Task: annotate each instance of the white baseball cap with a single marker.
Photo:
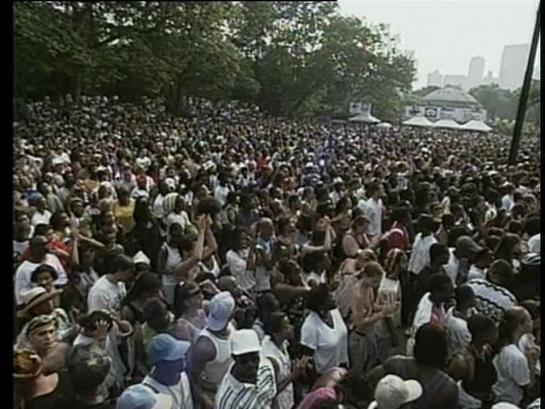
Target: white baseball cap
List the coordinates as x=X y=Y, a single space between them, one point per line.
x=220 y=310
x=245 y=341
x=140 y=257
x=392 y=392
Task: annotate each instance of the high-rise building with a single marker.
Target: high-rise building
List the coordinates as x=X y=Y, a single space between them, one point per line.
x=435 y=79
x=456 y=81
x=513 y=65
x=490 y=79
x=476 y=71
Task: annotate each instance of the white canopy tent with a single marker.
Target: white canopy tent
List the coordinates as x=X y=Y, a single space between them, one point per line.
x=366 y=118
x=385 y=125
x=419 y=121
x=448 y=124
x=479 y=126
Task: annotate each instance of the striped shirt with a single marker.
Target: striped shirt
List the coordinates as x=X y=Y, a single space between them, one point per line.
x=492 y=300
x=233 y=394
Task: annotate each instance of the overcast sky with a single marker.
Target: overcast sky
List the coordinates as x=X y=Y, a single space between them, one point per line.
x=446 y=34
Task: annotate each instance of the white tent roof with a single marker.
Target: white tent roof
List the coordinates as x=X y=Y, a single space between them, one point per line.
x=418 y=121
x=448 y=123
x=477 y=126
x=367 y=118
x=384 y=125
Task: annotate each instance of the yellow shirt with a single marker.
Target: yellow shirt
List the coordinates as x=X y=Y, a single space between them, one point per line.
x=124 y=215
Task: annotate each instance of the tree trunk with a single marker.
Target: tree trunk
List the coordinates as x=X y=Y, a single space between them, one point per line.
x=77 y=87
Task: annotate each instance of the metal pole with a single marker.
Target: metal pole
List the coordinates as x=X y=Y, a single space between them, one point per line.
x=524 y=92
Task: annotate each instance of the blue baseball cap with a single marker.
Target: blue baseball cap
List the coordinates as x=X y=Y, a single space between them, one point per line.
x=164 y=347
x=141 y=397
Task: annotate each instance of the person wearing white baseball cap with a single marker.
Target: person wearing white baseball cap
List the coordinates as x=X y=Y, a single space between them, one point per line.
x=250 y=381
x=211 y=354
x=392 y=392
x=139 y=397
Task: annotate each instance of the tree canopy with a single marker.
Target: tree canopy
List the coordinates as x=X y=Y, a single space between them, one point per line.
x=290 y=58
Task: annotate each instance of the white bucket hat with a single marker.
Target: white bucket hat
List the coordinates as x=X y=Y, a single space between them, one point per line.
x=392 y=392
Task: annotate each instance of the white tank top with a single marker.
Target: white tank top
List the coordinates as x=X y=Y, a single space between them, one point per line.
x=173 y=259
x=215 y=370
x=215 y=267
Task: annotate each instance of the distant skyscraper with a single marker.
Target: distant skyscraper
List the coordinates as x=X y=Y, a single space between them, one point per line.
x=513 y=65
x=456 y=81
x=476 y=71
x=435 y=79
x=490 y=79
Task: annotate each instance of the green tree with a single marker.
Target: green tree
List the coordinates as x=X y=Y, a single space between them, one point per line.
x=291 y=58
x=498 y=102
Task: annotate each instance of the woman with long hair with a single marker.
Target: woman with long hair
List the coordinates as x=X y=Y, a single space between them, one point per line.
x=365 y=312
x=473 y=366
x=170 y=256
x=146 y=233
x=146 y=287
x=389 y=293
x=509 y=249
x=516 y=369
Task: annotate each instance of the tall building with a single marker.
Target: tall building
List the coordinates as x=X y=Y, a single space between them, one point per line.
x=513 y=65
x=456 y=81
x=476 y=71
x=490 y=79
x=435 y=79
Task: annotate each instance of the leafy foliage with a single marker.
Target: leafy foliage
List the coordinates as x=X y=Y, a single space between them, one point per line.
x=503 y=104
x=291 y=58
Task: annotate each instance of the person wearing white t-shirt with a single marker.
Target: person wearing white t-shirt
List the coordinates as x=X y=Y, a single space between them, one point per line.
x=264 y=260
x=109 y=290
x=507 y=201
x=420 y=254
x=373 y=208
x=516 y=369
x=324 y=333
x=241 y=260
x=222 y=190
x=38 y=255
x=41 y=215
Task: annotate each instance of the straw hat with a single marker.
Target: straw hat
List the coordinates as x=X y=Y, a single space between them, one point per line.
x=34 y=297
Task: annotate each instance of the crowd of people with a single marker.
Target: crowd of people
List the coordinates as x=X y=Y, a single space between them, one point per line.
x=229 y=260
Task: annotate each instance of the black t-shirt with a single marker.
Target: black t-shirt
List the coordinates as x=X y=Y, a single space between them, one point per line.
x=422 y=286
x=62 y=397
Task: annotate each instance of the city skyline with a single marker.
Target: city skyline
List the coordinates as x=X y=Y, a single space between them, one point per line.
x=445 y=34
x=509 y=76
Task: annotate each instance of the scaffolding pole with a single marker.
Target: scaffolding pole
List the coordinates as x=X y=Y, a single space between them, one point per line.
x=515 y=142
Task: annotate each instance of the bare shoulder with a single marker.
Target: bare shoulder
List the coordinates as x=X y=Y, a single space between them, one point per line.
x=204 y=349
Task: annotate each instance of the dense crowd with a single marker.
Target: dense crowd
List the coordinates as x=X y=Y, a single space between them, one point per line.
x=230 y=260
